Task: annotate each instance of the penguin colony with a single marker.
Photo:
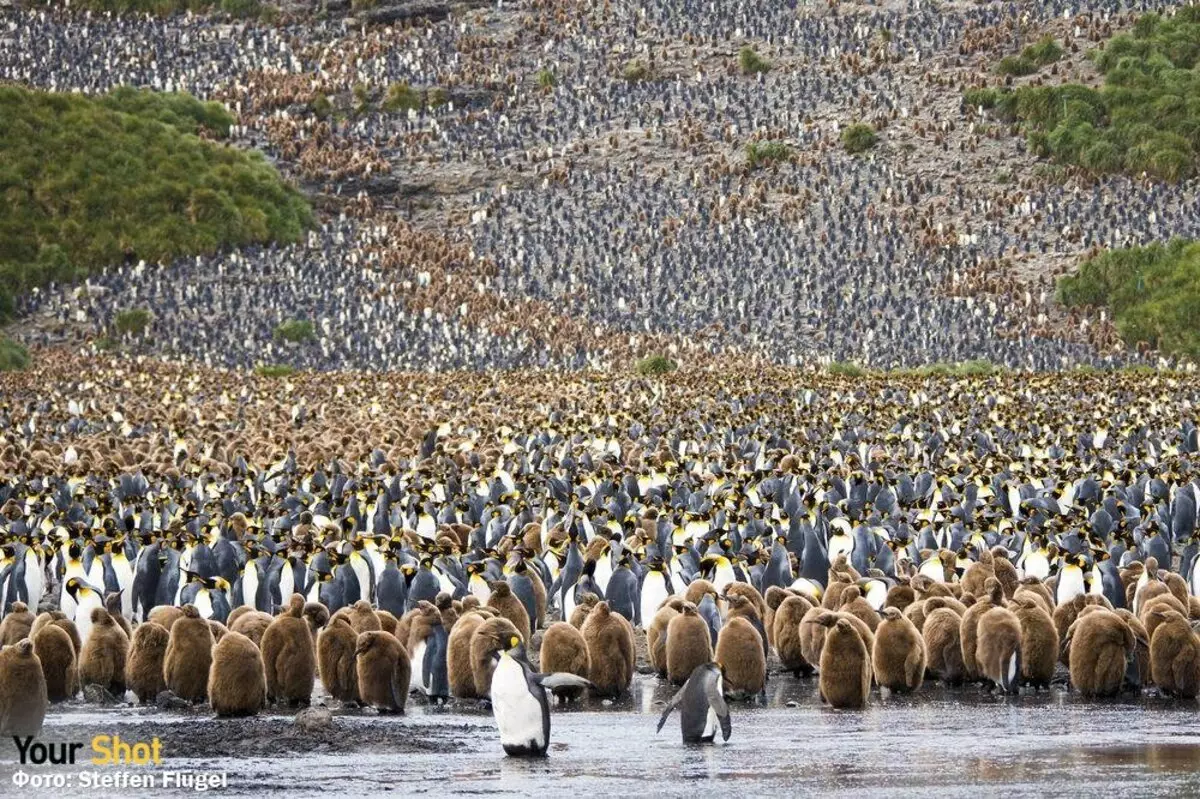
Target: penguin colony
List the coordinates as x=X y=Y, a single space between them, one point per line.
x=1017 y=533
x=583 y=217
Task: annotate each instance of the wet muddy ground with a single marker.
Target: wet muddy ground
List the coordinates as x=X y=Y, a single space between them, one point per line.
x=937 y=743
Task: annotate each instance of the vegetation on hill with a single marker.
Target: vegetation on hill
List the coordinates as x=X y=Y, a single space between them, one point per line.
x=1046 y=51
x=656 y=365
x=858 y=138
x=751 y=62
x=13 y=356
x=89 y=181
x=766 y=153
x=234 y=8
x=1153 y=293
x=296 y=331
x=1144 y=119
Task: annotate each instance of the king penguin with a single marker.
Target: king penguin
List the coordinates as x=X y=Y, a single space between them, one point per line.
x=702 y=706
x=519 y=701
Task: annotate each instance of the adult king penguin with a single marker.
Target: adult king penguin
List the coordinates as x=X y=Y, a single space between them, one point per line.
x=519 y=701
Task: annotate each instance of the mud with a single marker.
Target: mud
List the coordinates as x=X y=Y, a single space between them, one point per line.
x=937 y=742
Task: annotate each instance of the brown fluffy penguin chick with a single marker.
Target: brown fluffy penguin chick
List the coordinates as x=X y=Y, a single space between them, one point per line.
x=237 y=685
x=17 y=625
x=1175 y=655
x=316 y=616
x=388 y=622
x=748 y=592
x=916 y=614
x=235 y=614
x=582 y=609
x=165 y=615
x=943 y=648
x=696 y=591
x=1004 y=571
x=1038 y=591
x=23 y=699
x=506 y=603
x=252 y=624
x=1100 y=643
x=1141 y=639
x=1039 y=641
x=188 y=656
x=925 y=587
x=854 y=604
x=383 y=672
x=789 y=637
x=1161 y=602
x=147 y=653
x=969 y=627
x=656 y=639
x=812 y=635
x=112 y=603
x=458 y=656
x=565 y=650
x=740 y=653
x=1194 y=608
x=289 y=659
x=975 y=578
x=845 y=680
x=218 y=630
x=773 y=599
x=336 y=645
x=363 y=618
x=1178 y=588
x=998 y=651
x=60 y=667
x=1064 y=616
x=105 y=654
x=832 y=599
x=899 y=654
x=611 y=659
x=490 y=637
x=900 y=596
x=689 y=644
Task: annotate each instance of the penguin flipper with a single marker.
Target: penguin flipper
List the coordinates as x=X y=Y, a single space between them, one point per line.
x=717 y=702
x=561 y=679
x=675 y=700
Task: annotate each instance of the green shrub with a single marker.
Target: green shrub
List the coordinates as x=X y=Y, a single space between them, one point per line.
x=132 y=321
x=751 y=62
x=105 y=343
x=13 y=356
x=859 y=138
x=402 y=97
x=766 y=153
x=635 y=71
x=1144 y=119
x=977 y=368
x=656 y=365
x=436 y=97
x=275 y=370
x=320 y=106
x=296 y=331
x=88 y=181
x=546 y=79
x=845 y=369
x=1153 y=293
x=241 y=8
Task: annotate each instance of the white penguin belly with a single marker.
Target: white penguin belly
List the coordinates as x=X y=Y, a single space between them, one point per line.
x=518 y=713
x=250 y=587
x=416 y=678
x=654 y=592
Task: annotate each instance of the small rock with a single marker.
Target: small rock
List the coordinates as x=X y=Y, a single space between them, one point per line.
x=96 y=695
x=169 y=701
x=314 y=719
x=793 y=704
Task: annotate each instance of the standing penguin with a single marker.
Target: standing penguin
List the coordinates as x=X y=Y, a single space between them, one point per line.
x=105 y=654
x=86 y=598
x=427 y=649
x=144 y=669
x=383 y=672
x=23 y=700
x=688 y=644
x=611 y=656
x=54 y=649
x=519 y=701
x=336 y=645
x=656 y=588
x=998 y=651
x=237 y=685
x=743 y=662
x=288 y=656
x=508 y=605
x=702 y=707
x=188 y=656
x=565 y=650
x=899 y=656
x=845 y=681
x=458 y=655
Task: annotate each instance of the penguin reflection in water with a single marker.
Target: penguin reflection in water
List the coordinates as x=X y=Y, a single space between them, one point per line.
x=519 y=701
x=702 y=706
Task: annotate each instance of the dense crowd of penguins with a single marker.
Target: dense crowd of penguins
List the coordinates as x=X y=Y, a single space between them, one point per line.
x=201 y=535
x=598 y=216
